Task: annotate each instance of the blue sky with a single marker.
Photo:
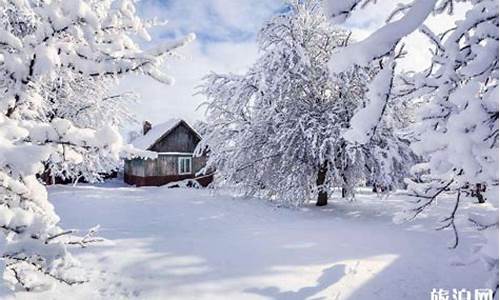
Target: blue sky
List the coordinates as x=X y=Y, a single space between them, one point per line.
x=226 y=31
x=212 y=20
x=225 y=42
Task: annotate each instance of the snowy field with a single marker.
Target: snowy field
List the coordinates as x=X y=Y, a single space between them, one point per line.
x=194 y=244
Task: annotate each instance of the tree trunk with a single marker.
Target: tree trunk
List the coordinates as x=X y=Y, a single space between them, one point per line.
x=480 y=188
x=320 y=181
x=344 y=185
x=46 y=176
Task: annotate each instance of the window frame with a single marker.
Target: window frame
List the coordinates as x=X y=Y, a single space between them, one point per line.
x=180 y=165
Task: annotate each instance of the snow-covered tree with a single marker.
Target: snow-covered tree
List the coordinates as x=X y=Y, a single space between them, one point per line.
x=457 y=132
x=277 y=130
x=271 y=129
x=63 y=98
x=40 y=42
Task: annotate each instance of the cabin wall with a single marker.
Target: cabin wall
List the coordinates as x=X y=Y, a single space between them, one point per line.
x=180 y=139
x=162 y=170
x=199 y=163
x=134 y=167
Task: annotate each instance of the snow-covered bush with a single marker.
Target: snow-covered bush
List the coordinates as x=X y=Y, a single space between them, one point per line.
x=277 y=130
x=43 y=43
x=457 y=124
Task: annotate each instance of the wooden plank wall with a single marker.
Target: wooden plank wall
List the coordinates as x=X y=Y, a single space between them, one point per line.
x=163 y=165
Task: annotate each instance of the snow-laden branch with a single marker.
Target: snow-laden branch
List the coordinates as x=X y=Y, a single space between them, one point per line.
x=384 y=40
x=365 y=122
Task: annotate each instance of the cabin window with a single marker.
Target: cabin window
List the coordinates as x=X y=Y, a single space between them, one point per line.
x=184 y=165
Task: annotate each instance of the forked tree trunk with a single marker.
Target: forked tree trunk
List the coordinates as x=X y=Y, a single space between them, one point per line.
x=320 y=181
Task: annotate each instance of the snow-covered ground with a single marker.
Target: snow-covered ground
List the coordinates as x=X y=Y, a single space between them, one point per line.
x=195 y=244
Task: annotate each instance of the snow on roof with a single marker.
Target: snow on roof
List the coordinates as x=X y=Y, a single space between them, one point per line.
x=156 y=132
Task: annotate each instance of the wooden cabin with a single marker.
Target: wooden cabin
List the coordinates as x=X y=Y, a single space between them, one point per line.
x=174 y=141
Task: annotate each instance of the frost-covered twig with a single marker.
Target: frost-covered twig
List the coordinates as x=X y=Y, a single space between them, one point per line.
x=47 y=240
x=450 y=222
x=37 y=266
x=430 y=199
x=481 y=226
x=88 y=238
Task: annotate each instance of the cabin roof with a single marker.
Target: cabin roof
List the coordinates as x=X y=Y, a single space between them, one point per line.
x=158 y=132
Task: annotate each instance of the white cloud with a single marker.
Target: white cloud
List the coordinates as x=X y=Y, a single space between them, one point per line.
x=212 y=19
x=226 y=43
x=159 y=102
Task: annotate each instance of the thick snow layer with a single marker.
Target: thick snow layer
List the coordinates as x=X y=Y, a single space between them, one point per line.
x=145 y=141
x=193 y=244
